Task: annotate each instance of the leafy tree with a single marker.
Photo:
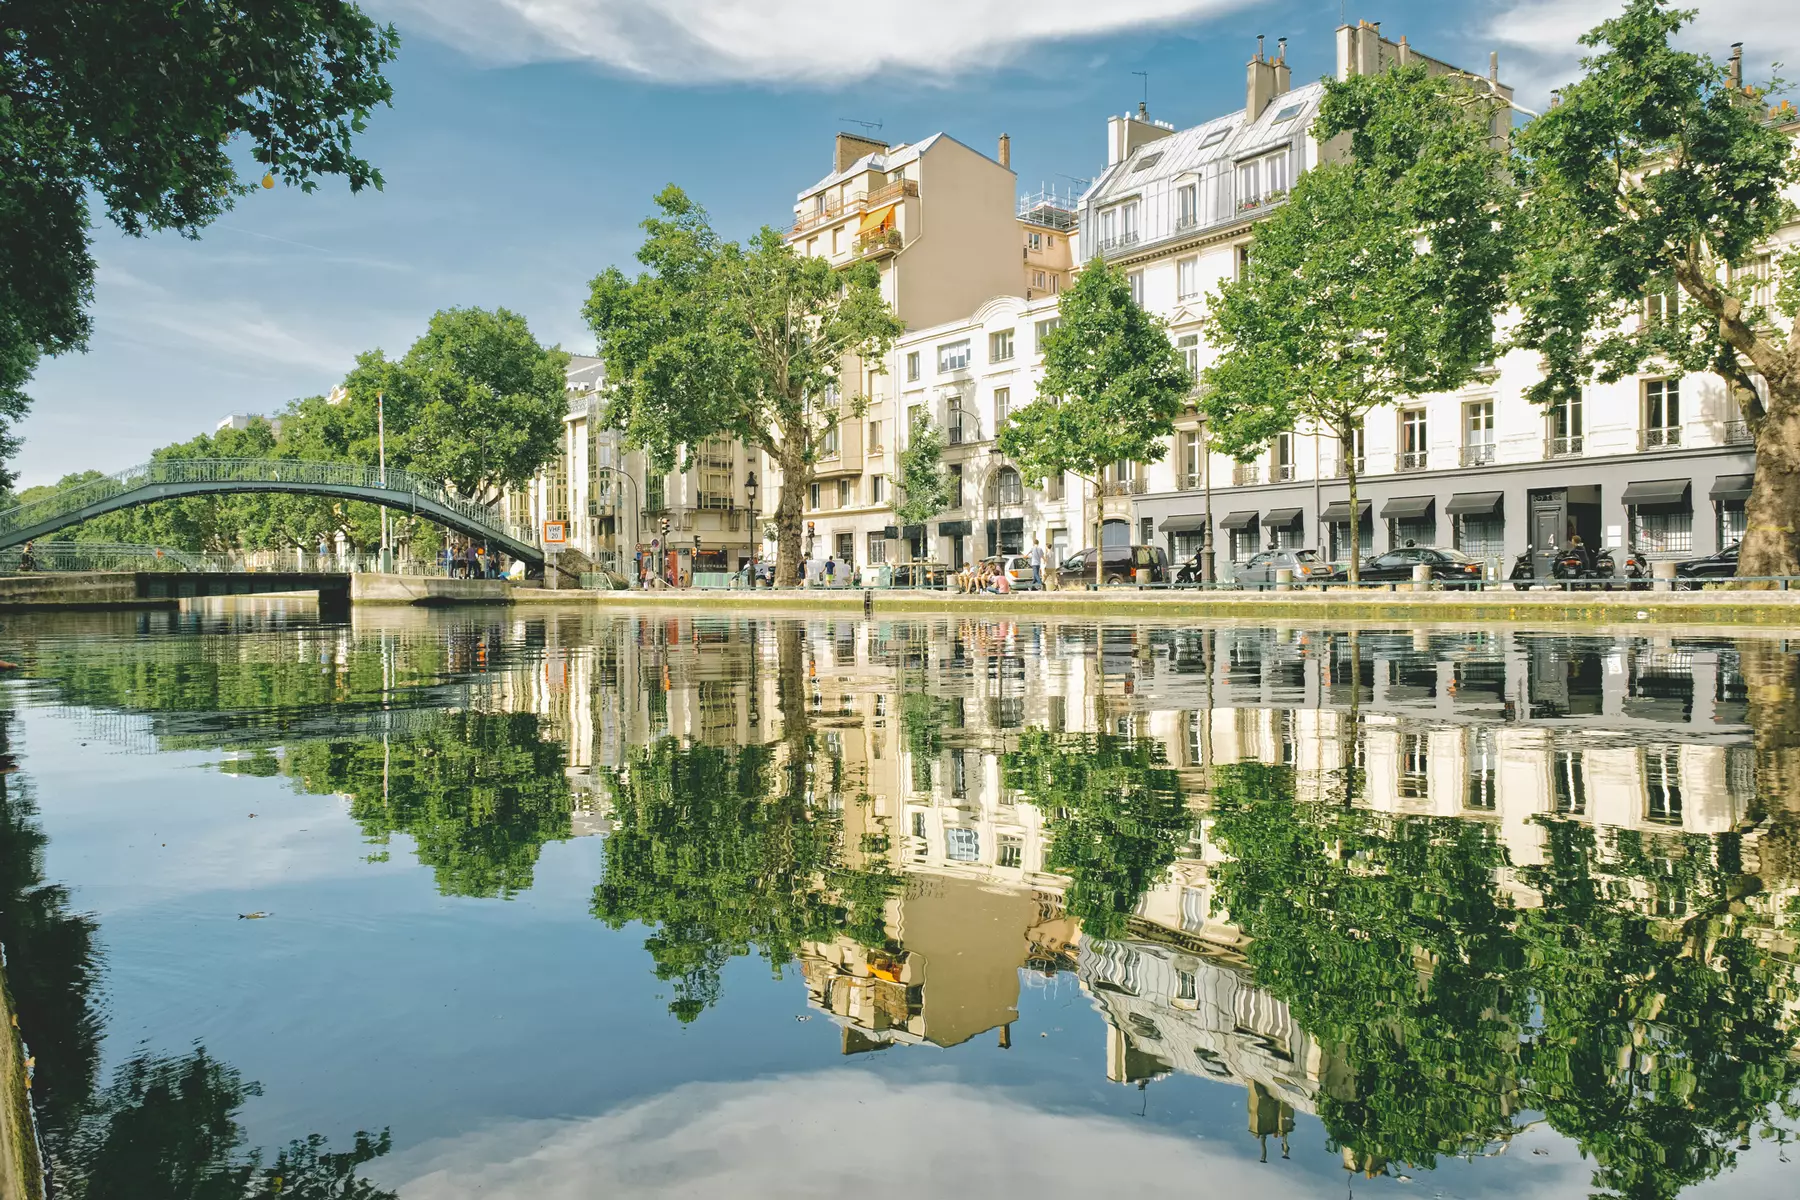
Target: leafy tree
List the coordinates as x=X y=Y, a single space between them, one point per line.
x=1378 y=279
x=1661 y=174
x=1118 y=819
x=479 y=793
x=476 y=401
x=745 y=341
x=138 y=104
x=1112 y=386
x=924 y=485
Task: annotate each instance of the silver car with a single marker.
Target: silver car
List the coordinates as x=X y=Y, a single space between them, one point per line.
x=1259 y=572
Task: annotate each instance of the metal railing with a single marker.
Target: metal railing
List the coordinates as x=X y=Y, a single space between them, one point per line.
x=299 y=476
x=856 y=202
x=1478 y=454
x=55 y=557
x=1339 y=468
x=1127 y=487
x=1657 y=439
x=1737 y=433
x=1281 y=473
x=1410 y=460
x=1563 y=447
x=1245 y=474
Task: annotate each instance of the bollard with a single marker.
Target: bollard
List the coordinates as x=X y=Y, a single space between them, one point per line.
x=1663 y=572
x=1421 y=577
x=1284 y=579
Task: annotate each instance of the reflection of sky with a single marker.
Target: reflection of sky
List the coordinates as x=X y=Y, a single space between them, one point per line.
x=522 y=1049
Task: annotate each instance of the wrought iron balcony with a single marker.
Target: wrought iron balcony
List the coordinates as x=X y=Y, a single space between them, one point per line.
x=1659 y=439
x=1563 y=447
x=1410 y=460
x=1281 y=473
x=1737 y=433
x=1340 y=468
x=1189 y=481
x=1478 y=454
x=1127 y=487
x=1245 y=474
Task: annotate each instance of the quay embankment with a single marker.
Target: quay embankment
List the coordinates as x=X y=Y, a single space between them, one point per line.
x=21 y=1170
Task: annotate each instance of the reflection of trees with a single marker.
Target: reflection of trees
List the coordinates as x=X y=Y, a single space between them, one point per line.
x=1635 y=1007
x=1115 y=816
x=167 y=1129
x=479 y=794
x=720 y=849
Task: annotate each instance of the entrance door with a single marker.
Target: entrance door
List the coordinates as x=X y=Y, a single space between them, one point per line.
x=956 y=553
x=1549 y=515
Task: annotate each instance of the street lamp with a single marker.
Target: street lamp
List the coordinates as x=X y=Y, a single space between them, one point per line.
x=755 y=533
x=387 y=552
x=1206 y=534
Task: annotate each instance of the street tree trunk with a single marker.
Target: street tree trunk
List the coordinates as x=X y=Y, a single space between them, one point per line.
x=1355 y=520
x=1772 y=515
x=787 y=525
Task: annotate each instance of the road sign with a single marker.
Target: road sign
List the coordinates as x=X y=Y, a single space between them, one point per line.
x=556 y=533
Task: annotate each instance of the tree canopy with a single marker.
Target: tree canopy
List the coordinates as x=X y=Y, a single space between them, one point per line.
x=1112 y=386
x=1653 y=190
x=152 y=108
x=922 y=488
x=1381 y=276
x=747 y=341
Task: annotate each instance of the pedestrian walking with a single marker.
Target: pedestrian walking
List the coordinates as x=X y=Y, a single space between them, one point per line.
x=830 y=570
x=469 y=560
x=1037 y=563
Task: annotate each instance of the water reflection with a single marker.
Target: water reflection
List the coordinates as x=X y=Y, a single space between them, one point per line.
x=1433 y=888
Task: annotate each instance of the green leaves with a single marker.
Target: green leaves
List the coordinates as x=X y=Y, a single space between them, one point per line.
x=924 y=485
x=1112 y=386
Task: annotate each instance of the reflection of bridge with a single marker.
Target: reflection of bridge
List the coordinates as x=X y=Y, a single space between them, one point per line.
x=174 y=478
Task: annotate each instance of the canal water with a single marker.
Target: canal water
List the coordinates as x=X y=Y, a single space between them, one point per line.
x=483 y=904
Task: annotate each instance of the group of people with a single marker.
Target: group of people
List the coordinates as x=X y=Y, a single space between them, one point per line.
x=984 y=577
x=471 y=562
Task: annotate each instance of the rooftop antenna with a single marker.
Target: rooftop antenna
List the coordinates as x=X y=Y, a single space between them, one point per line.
x=1144 y=104
x=868 y=126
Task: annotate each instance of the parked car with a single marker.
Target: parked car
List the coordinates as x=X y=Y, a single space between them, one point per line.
x=1396 y=566
x=1121 y=563
x=1259 y=572
x=1018 y=571
x=921 y=574
x=1723 y=565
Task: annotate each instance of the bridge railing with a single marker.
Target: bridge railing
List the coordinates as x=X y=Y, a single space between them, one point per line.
x=393 y=480
x=107 y=556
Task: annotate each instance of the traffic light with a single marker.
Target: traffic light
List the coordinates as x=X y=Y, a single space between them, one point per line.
x=809 y=529
x=665 y=527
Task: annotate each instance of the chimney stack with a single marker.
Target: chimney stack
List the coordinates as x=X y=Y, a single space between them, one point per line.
x=1006 y=150
x=1284 y=77
x=1263 y=82
x=851 y=146
x=1735 y=72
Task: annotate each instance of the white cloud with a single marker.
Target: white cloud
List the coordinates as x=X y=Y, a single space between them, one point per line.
x=775 y=41
x=827 y=1135
x=147 y=313
x=1545 y=53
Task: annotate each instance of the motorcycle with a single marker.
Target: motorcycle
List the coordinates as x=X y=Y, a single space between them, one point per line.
x=1189 y=573
x=1575 y=564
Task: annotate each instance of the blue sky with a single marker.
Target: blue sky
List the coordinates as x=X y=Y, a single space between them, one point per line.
x=527 y=137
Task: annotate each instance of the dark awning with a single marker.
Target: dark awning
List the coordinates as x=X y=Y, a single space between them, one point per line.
x=1407 y=508
x=1656 y=491
x=953 y=528
x=1012 y=524
x=912 y=531
x=1474 y=504
x=1183 y=523
x=1339 y=511
x=892 y=532
x=1281 y=518
x=1239 y=520
x=1732 y=487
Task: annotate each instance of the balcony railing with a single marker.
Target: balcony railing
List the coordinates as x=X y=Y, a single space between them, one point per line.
x=1410 y=460
x=857 y=202
x=1245 y=474
x=1123 y=241
x=1124 y=487
x=1563 y=447
x=1659 y=439
x=1189 y=481
x=1478 y=454
x=1340 y=468
x=1281 y=473
x=879 y=241
x=1737 y=433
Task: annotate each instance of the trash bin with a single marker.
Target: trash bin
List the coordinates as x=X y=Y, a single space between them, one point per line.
x=1142 y=575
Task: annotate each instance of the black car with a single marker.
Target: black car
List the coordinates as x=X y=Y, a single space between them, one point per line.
x=1723 y=565
x=1122 y=565
x=1453 y=567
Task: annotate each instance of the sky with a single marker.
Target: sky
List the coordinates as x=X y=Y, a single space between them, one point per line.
x=527 y=138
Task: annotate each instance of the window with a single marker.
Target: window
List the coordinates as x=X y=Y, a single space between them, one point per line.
x=1421 y=531
x=1568 y=783
x=1662 y=413
x=1242 y=267
x=1034 y=241
x=1128 y=223
x=837 y=240
x=915 y=416
x=962 y=428
x=953 y=356
x=1478 y=433
x=1415 y=765
x=875 y=446
x=1045 y=328
x=1009 y=488
x=956 y=485
x=877 y=489
x=814 y=496
x=1249 y=185
x=844 y=496
x=1663 y=530
x=654 y=494
x=812 y=247
x=1053 y=487
x=1000 y=346
x=1731 y=522
x=1187 y=206
x=1189 y=468
x=1662 y=304
x=1662 y=786
x=912 y=366
x=1484 y=773
x=1109 y=228
x=1288 y=113
x=1039 y=280
x=1479 y=537
x=1012 y=852
x=1214 y=137
x=1187 y=278
x=1565 y=435
x=918 y=824
x=1189 y=345
x=877 y=546
x=1413 y=440
x=828 y=443
x=1275 y=176
x=1002 y=407
x=1281 y=458
x=1135 y=281
x=1148 y=161
x=1193 y=909
x=1243 y=544
x=962 y=845
x=1756 y=281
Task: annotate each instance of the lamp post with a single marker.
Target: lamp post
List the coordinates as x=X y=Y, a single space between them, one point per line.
x=755 y=531
x=636 y=513
x=387 y=552
x=1206 y=534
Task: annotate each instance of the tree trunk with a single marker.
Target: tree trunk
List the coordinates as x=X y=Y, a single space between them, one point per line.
x=1772 y=515
x=1772 y=686
x=1355 y=521
x=787 y=526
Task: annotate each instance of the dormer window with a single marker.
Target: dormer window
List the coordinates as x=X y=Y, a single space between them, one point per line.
x=1214 y=137
x=1148 y=161
x=1287 y=114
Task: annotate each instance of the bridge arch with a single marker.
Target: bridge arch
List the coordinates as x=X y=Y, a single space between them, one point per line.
x=171 y=479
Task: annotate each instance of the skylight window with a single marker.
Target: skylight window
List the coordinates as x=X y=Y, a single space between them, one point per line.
x=1288 y=113
x=1148 y=161
x=1215 y=137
